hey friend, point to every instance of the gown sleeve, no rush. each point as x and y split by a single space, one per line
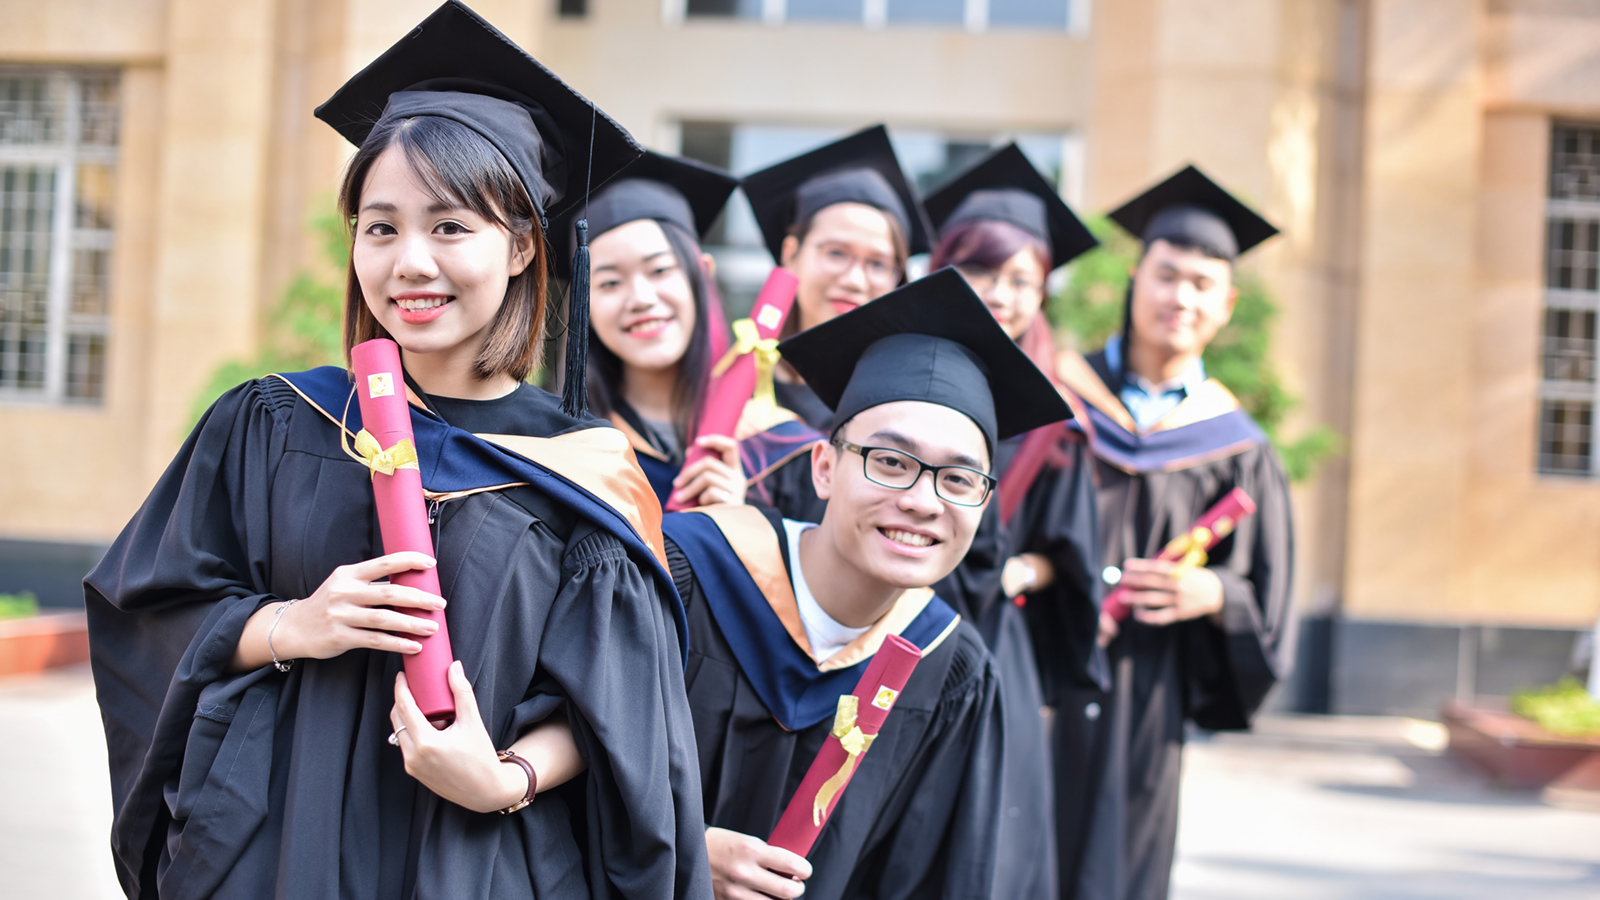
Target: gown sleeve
1061 521
944 844
1233 667
168 602
611 643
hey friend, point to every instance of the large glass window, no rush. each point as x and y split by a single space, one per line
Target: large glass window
975 15
1572 303
58 154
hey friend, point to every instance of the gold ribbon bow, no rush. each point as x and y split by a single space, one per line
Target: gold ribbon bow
403 455
855 744
1192 545
746 339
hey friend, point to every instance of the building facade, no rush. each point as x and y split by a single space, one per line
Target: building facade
1435 165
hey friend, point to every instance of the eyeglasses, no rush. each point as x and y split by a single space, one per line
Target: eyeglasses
900 470
982 281
834 259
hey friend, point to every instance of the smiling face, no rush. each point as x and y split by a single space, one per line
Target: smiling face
848 258
1013 292
900 538
1181 298
433 274
641 302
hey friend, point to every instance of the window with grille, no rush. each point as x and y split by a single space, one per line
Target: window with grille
1572 302
58 156
973 15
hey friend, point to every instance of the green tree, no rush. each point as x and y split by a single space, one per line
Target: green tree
303 329
1089 309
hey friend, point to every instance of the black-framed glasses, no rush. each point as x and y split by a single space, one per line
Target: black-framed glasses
961 485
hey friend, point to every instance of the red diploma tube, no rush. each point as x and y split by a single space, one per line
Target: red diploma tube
1191 547
857 722
732 389
403 512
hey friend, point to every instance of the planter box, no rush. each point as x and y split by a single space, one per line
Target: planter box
43 642
1516 752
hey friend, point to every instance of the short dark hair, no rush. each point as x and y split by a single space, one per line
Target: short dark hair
459 167
1180 243
605 368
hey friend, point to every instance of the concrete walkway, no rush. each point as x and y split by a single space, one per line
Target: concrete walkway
1309 808
1341 808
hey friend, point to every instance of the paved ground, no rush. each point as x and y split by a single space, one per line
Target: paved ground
1309 808
1336 808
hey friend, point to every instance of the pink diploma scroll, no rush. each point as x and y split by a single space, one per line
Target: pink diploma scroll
1190 548
387 443
735 381
855 725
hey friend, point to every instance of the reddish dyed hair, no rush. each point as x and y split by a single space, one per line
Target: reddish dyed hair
986 244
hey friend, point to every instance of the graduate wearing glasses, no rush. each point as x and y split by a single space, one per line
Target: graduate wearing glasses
784 615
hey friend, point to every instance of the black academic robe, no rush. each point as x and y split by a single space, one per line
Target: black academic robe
1118 834
919 818
263 784
1050 631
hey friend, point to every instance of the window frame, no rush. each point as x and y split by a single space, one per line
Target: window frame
65 157
1574 300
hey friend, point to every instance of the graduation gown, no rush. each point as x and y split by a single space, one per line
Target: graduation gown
264 784
919 818
1118 838
1041 640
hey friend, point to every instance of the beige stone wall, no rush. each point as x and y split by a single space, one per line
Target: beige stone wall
650 75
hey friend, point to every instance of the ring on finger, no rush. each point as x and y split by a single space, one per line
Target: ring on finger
394 736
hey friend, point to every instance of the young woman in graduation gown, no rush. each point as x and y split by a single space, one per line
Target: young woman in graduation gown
781 627
1027 579
1205 642
844 219
246 652
656 327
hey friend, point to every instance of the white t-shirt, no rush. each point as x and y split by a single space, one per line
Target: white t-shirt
826 635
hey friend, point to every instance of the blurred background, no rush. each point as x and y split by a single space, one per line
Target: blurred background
1420 342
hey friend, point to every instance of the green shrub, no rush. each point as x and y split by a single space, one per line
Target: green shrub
18 606
303 329
1564 708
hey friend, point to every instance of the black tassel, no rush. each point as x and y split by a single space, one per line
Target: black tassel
574 392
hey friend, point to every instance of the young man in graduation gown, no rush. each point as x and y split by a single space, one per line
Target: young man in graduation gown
1205 642
785 616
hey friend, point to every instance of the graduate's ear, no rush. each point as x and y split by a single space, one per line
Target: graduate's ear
789 252
709 263
1227 306
824 462
521 253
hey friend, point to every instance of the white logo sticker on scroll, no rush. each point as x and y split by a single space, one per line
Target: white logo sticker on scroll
380 384
885 699
768 317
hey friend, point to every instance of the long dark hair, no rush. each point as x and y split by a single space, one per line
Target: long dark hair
694 369
458 167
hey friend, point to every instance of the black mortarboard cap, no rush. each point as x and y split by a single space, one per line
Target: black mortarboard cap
931 340
685 192
457 66
861 168
1191 208
1005 187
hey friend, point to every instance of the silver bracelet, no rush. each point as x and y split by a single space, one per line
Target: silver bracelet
278 664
